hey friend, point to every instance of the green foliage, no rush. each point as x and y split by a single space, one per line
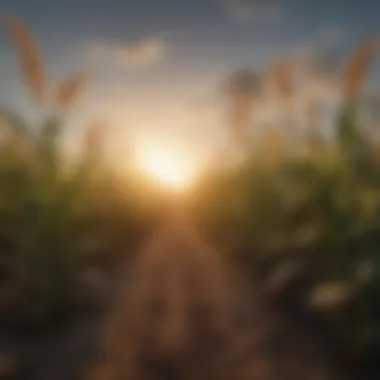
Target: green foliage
50 211
321 213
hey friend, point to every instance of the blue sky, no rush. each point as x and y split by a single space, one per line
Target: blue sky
148 57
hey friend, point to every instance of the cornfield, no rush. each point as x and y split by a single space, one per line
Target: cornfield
307 223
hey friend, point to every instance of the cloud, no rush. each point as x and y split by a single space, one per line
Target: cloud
142 53
321 45
331 34
254 10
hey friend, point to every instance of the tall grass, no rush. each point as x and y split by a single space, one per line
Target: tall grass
56 217
320 212
315 216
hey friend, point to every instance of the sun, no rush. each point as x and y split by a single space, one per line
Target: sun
167 168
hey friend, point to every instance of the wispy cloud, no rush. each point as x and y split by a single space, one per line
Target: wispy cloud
254 10
141 53
323 43
331 34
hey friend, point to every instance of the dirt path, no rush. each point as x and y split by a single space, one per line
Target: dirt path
184 311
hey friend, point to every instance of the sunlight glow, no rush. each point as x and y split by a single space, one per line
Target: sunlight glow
170 170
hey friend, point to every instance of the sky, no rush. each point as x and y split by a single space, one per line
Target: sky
155 65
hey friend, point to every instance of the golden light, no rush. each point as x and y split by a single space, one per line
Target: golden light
167 167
